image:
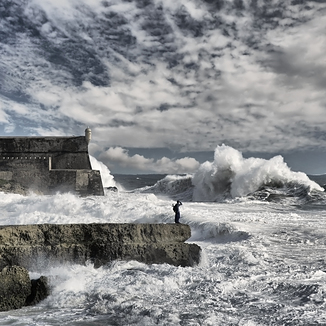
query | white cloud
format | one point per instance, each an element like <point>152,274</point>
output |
<point>9,128</point>
<point>3,115</point>
<point>173,74</point>
<point>120,157</point>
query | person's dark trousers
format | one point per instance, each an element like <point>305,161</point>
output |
<point>177,217</point>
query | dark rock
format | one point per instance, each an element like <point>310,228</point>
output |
<point>114,189</point>
<point>39,291</point>
<point>17,290</point>
<point>15,287</point>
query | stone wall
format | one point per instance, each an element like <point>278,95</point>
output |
<point>19,145</point>
<point>46,165</point>
<point>83,182</point>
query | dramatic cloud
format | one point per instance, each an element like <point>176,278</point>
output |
<point>185,75</point>
<point>119,156</point>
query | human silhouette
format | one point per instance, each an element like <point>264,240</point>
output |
<point>177,211</point>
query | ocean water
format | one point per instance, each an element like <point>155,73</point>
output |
<point>260,225</point>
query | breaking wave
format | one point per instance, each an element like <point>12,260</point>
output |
<point>231,176</point>
<point>107,177</point>
<point>175,186</point>
<point>216,232</point>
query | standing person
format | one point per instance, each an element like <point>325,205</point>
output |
<point>177,211</point>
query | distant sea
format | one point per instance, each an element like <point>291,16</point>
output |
<point>134,181</point>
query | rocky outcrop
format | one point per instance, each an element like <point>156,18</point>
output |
<point>15,287</point>
<point>38,246</point>
<point>18,290</point>
<point>34,247</point>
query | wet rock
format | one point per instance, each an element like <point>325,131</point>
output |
<point>114,189</point>
<point>15,287</point>
<point>39,291</point>
<point>17,290</point>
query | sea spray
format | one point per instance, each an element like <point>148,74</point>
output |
<point>178,187</point>
<point>263,264</point>
<point>232,175</point>
<point>107,177</point>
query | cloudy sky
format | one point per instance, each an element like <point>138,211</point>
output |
<point>162,83</point>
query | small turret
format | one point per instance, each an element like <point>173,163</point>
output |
<point>88,134</point>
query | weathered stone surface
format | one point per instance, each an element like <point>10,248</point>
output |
<point>33,247</point>
<point>43,144</point>
<point>15,287</point>
<point>38,246</point>
<point>17,290</point>
<point>46,165</point>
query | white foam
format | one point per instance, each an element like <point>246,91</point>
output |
<point>232,174</point>
<point>234,268</point>
<point>107,177</point>
<point>114,207</point>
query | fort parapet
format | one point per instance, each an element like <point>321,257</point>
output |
<point>47,165</point>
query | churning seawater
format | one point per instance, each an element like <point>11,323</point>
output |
<point>263,260</point>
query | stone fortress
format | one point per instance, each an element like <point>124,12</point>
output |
<point>47,165</point>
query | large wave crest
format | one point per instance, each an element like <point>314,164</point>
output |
<point>232,175</point>
<point>178,187</point>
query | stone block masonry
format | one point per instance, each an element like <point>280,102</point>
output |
<point>46,165</point>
